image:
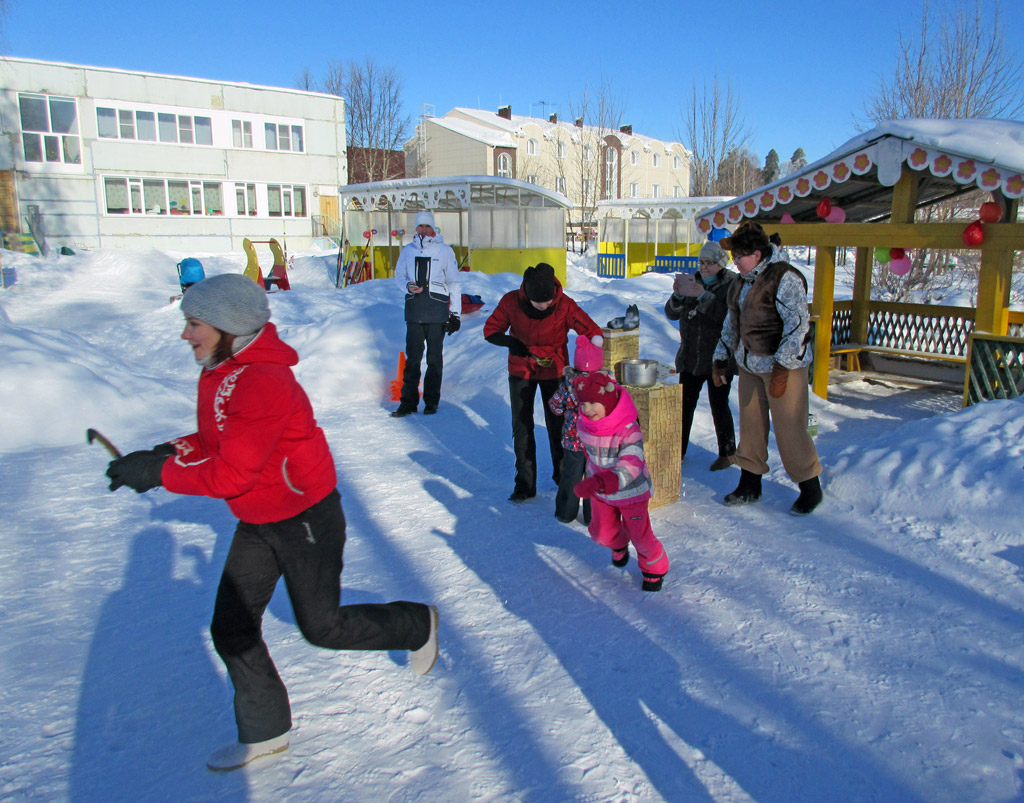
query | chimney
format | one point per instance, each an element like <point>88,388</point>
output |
<point>579,122</point>
<point>505,112</point>
<point>626,129</point>
<point>553,117</point>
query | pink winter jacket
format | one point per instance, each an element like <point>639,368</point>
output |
<point>615,443</point>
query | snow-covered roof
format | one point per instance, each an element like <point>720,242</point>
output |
<point>481,133</point>
<point>450,193</point>
<point>952,156</point>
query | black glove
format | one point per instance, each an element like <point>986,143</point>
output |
<point>722,372</point>
<point>453,324</point>
<point>140,471</point>
<point>514,345</point>
<point>166,449</point>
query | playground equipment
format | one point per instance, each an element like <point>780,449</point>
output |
<point>357,265</point>
<point>278,275</point>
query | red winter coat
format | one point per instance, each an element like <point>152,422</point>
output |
<point>545,334</point>
<point>258,446</point>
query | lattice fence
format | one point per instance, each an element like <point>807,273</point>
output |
<point>995,368</point>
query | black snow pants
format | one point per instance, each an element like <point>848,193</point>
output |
<point>522,394</point>
<point>306,549</point>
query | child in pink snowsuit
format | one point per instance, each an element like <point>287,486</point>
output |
<point>617,482</point>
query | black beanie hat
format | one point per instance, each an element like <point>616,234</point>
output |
<point>539,282</point>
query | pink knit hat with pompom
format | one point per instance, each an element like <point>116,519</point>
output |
<point>588,355</point>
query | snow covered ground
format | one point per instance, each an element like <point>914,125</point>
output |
<point>871,651</point>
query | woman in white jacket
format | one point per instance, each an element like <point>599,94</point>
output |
<point>428,274</point>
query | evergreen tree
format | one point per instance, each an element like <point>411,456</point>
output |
<point>770,172</point>
<point>798,160</point>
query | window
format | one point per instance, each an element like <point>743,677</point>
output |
<point>588,153</point>
<point>634,190</point>
<point>677,191</point>
<point>106,123</point>
<point>127,123</point>
<point>185,130</point>
<point>563,149</point>
<point>245,199</point>
<point>281,137</point>
<point>156,196</point>
<point>588,189</point>
<point>560,184</point>
<point>532,147</point>
<point>655,160</point>
<point>634,157</point>
<point>655,190</point>
<point>504,165</point>
<point>49,127</point>
<point>146,125</point>
<point>285,200</point>
<point>241,133</point>
<point>677,162</point>
<point>611,173</point>
<point>168,127</point>
<point>204,131</point>
<point>533,178</point>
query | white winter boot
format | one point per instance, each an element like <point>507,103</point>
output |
<point>422,660</point>
<point>238,754</point>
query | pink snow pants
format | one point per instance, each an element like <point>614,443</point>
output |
<point>614,527</point>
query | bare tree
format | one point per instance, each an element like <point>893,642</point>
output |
<point>598,112</point>
<point>713,127</point>
<point>306,80</point>
<point>374,117</point>
<point>961,68</point>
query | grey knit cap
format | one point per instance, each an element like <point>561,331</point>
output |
<point>713,252</point>
<point>230,302</point>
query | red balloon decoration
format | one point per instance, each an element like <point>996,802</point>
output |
<point>973,234</point>
<point>824,207</point>
<point>897,253</point>
<point>991,212</point>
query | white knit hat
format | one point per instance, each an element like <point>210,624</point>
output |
<point>425,218</point>
<point>231,302</point>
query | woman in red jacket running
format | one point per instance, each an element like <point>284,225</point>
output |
<point>537,317</point>
<point>259,448</point>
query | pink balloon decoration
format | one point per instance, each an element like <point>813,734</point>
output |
<point>836,215</point>
<point>900,266</point>
<point>787,218</point>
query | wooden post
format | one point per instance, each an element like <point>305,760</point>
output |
<point>821,309</point>
<point>993,307</point>
<point>905,197</point>
<point>860,314</point>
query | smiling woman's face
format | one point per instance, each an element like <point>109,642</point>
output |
<point>202,337</point>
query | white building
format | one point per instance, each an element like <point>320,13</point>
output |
<point>113,158</point>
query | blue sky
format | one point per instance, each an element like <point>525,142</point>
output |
<point>801,71</point>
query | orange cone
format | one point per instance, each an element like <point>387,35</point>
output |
<point>396,384</point>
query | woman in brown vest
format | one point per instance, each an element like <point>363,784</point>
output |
<point>767,332</point>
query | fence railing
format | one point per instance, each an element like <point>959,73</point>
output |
<point>326,226</point>
<point>995,368</point>
<point>924,328</point>
<point>611,265</point>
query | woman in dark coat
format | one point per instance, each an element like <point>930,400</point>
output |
<point>698,302</point>
<point>533,323</point>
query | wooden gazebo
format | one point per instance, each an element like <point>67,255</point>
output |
<point>879,179</point>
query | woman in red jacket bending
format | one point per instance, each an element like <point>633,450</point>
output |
<point>259,448</point>
<point>537,318</point>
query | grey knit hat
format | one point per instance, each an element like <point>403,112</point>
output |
<point>713,252</point>
<point>230,302</point>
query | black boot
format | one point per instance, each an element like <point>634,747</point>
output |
<point>810,497</point>
<point>749,490</point>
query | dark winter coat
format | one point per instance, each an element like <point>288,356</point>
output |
<point>544,333</point>
<point>700,322</point>
<point>258,445</point>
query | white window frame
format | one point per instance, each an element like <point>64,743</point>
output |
<point>241,133</point>
<point>677,162</point>
<point>289,198</point>
<point>532,147</point>
<point>199,195</point>
<point>634,189</point>
<point>283,137</point>
<point>655,190</point>
<point>560,185</point>
<point>655,160</point>
<point>163,126</point>
<point>245,200</point>
<point>588,153</point>
<point>504,165</point>
<point>52,147</point>
<point>563,149</point>
<point>634,157</point>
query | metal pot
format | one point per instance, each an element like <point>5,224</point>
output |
<point>639,373</point>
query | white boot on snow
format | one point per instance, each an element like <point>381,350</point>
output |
<point>238,754</point>
<point>422,660</point>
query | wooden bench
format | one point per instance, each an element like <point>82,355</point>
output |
<point>673,264</point>
<point>852,352</point>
